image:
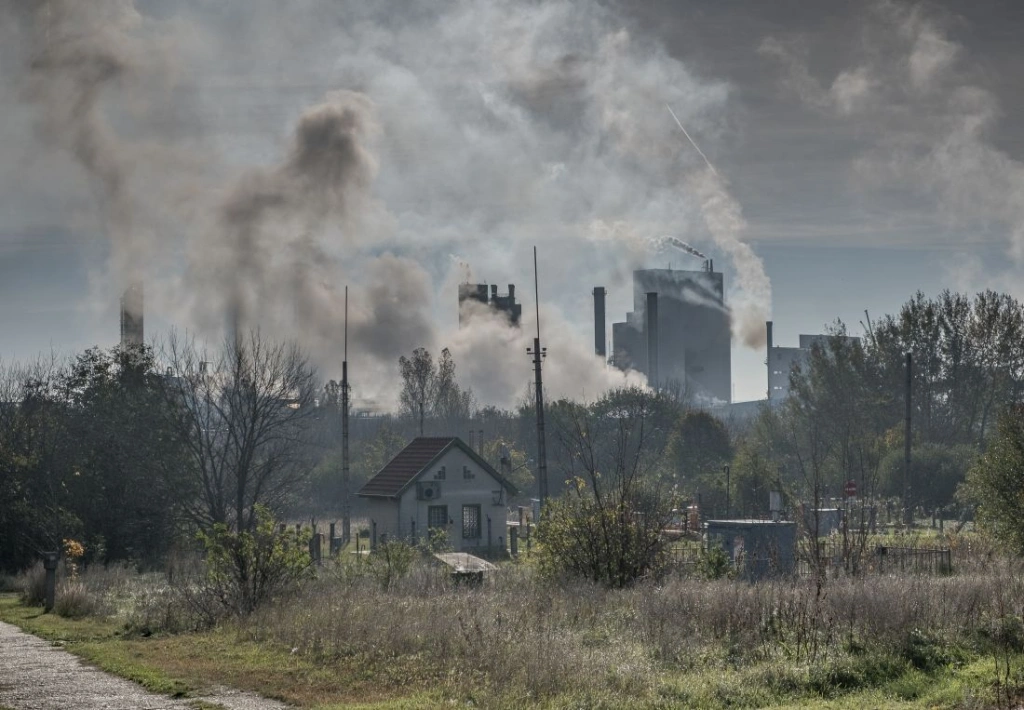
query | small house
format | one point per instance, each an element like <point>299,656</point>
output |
<point>440,483</point>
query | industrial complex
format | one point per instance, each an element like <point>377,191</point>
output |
<point>678,333</point>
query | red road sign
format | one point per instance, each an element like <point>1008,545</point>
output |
<point>850,489</point>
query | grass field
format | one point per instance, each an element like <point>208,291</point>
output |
<point>341,642</point>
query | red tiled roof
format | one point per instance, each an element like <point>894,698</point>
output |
<point>402,469</point>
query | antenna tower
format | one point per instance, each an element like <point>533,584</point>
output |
<point>346,483</point>
<point>539,354</point>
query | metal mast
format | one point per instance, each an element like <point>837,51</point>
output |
<point>346,493</point>
<point>908,513</point>
<point>539,354</point>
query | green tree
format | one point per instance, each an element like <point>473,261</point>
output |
<point>115,414</point>
<point>995,484</point>
<point>697,449</point>
<point>936,471</point>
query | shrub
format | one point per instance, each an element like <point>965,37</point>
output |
<point>713,563</point>
<point>245,569</point>
<point>390,561</point>
<point>73,600</point>
<point>31,585</point>
<point>611,543</point>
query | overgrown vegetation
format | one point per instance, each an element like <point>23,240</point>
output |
<point>678,642</point>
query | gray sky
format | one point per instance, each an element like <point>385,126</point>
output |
<point>874,149</point>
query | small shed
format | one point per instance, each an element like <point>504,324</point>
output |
<point>757,548</point>
<point>828,520</point>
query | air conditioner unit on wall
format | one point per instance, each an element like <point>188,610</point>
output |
<point>428,490</point>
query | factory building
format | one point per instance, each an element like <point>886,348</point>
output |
<point>782,360</point>
<point>132,307</point>
<point>678,333</point>
<point>504,303</point>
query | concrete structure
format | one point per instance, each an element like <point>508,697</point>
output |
<point>599,323</point>
<point>781,361</point>
<point>504,303</point>
<point>440,482</point>
<point>757,548</point>
<point>132,308</point>
<point>693,332</point>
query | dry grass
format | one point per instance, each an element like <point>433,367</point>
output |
<point>523,639</point>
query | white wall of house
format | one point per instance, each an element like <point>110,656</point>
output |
<point>384,512</point>
<point>462,483</point>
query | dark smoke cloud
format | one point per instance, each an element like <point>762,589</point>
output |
<point>263,238</point>
<point>474,128</point>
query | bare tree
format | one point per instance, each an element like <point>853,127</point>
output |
<point>430,389</point>
<point>244,416</point>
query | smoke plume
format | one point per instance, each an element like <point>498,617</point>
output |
<point>751,302</point>
<point>253,158</point>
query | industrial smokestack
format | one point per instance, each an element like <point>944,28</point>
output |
<point>652,340</point>
<point>768,359</point>
<point>132,307</point>
<point>599,320</point>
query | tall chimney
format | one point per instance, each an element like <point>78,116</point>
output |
<point>132,309</point>
<point>494,293</point>
<point>511,293</point>
<point>599,334</point>
<point>768,360</point>
<point>652,340</point>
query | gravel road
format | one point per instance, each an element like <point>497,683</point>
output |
<point>37,676</point>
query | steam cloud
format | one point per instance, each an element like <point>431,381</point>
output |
<point>476,129</point>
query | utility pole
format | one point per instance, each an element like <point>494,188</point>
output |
<point>346,483</point>
<point>728,507</point>
<point>908,513</point>
<point>539,354</point>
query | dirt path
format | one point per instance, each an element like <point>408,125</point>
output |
<point>37,676</point>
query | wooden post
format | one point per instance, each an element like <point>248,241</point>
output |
<point>489,551</point>
<point>315,548</point>
<point>50,560</point>
<point>513,541</point>
<point>373,537</point>
<point>412,528</point>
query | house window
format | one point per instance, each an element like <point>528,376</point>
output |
<point>437,516</point>
<point>470,522</point>
<point>467,474</point>
<point>439,476</point>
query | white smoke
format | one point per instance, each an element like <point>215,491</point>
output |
<point>321,143</point>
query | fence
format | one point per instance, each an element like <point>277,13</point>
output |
<point>890,559</point>
<point>855,556</point>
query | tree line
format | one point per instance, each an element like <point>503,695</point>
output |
<point>129,451</point>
